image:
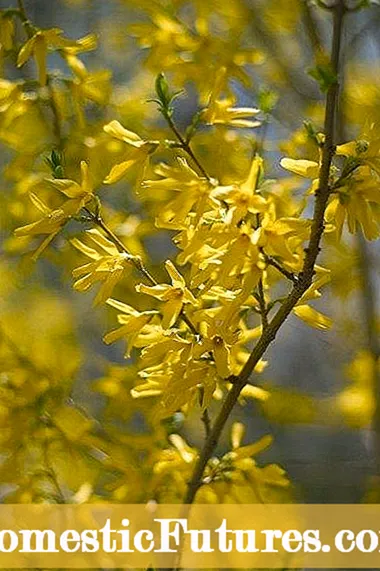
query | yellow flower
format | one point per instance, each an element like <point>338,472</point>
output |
<point>281,236</point>
<point>38,46</point>
<point>131,321</point>
<point>313,317</point>
<point>194,193</point>
<point>219,334</point>
<point>54,220</point>
<point>222,111</point>
<point>356,202</point>
<point>174,296</point>
<point>109,265</point>
<point>366,149</point>
<point>141,150</point>
<point>243,197</point>
<point>302,167</point>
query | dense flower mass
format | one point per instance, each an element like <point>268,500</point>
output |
<point>191,226</point>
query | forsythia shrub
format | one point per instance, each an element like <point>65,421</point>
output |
<point>95,176</point>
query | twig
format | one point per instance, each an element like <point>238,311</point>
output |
<point>305,277</point>
<point>273,262</point>
<point>136,261</point>
<point>262,304</point>
<point>205,417</point>
<point>22,10</point>
<point>185,145</point>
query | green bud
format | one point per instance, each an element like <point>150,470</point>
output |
<point>267,100</point>
<point>324,75</point>
<point>162,90</point>
<point>55,162</point>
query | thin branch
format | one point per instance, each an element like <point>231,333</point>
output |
<point>273,262</point>
<point>305,277</point>
<point>205,417</point>
<point>262,304</point>
<point>185,145</point>
<point>21,7</point>
<point>136,261</point>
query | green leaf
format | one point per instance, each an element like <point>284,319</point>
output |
<point>324,75</point>
<point>267,100</point>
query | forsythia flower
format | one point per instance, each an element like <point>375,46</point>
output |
<point>222,111</point>
<point>302,167</point>
<point>109,265</point>
<point>194,193</point>
<point>174,296</point>
<point>141,150</point>
<point>243,198</point>
<point>218,336</point>
<point>366,149</point>
<point>355,202</point>
<point>131,321</point>
<point>281,237</point>
<point>54,220</point>
<point>38,46</point>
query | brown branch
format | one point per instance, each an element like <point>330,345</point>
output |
<point>262,304</point>
<point>185,145</point>
<point>305,277</point>
<point>273,262</point>
<point>21,8</point>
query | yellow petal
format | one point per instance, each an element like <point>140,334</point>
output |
<point>86,250</point>
<point>255,448</point>
<point>302,167</point>
<point>177,279</point>
<point>26,51</point>
<point>313,317</point>
<point>252,180</point>
<point>348,149</point>
<point>120,306</point>
<point>237,433</point>
<point>118,171</point>
<point>158,291</point>
<point>222,358</point>
<point>170,312</point>
<point>68,187</point>
<point>86,182</point>
<point>115,129</point>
